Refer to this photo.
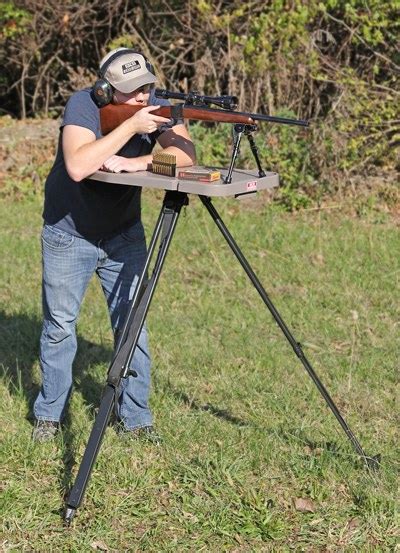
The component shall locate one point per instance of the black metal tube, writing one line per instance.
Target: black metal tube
(274, 119)
(225, 102)
(238, 131)
(124, 356)
(256, 116)
(254, 149)
(91, 451)
(139, 287)
(295, 345)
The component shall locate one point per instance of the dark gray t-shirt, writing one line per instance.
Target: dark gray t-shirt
(93, 209)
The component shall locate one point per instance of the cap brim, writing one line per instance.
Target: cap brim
(130, 86)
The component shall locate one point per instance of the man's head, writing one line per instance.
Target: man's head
(126, 70)
(122, 72)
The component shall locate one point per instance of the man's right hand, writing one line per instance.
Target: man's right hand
(145, 122)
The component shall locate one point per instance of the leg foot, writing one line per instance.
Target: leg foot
(373, 463)
(69, 515)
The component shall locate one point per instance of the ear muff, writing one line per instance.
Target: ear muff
(102, 90)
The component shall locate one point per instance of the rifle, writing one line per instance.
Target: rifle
(113, 115)
(197, 107)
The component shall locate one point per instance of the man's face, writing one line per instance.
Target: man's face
(138, 97)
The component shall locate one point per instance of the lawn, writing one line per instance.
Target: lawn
(252, 459)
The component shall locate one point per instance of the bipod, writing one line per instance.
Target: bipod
(239, 130)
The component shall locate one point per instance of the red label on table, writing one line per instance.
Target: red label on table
(252, 185)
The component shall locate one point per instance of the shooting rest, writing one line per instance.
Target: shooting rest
(176, 196)
(243, 183)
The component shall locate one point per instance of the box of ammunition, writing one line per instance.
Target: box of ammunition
(201, 174)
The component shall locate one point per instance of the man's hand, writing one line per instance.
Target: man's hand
(117, 164)
(145, 122)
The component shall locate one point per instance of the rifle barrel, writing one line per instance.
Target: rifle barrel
(231, 116)
(282, 120)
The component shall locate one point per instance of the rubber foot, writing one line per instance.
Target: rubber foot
(69, 515)
(373, 463)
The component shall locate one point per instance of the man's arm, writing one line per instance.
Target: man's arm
(173, 141)
(83, 154)
(178, 142)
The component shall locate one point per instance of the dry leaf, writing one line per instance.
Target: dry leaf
(354, 315)
(190, 516)
(353, 523)
(99, 545)
(304, 505)
(317, 259)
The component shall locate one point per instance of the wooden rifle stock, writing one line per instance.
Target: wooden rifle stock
(111, 116)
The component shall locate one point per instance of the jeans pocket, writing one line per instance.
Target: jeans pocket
(135, 233)
(55, 238)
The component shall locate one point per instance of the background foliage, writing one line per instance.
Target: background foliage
(334, 62)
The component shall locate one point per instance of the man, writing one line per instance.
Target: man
(95, 227)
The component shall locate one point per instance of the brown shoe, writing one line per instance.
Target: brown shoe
(45, 431)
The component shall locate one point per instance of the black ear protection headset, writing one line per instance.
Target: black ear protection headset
(103, 90)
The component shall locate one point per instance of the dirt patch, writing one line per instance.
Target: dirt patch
(29, 129)
(26, 146)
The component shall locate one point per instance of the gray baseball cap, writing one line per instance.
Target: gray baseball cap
(127, 72)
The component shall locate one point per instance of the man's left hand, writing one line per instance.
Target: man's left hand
(117, 164)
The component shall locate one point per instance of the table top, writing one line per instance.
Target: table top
(244, 182)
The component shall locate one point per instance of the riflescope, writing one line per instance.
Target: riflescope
(194, 98)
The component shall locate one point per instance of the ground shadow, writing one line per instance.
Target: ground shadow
(19, 350)
(182, 397)
(300, 437)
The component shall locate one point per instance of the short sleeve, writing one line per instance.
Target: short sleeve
(83, 112)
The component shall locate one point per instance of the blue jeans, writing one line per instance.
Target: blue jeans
(68, 264)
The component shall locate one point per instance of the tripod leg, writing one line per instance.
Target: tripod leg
(173, 203)
(119, 367)
(140, 286)
(371, 462)
(89, 457)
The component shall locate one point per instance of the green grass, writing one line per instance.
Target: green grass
(245, 431)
